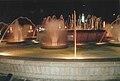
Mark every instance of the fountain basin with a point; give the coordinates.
(87, 35)
(114, 43)
(15, 42)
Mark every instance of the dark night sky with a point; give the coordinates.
(37, 9)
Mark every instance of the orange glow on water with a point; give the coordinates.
(54, 44)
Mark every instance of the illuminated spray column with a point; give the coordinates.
(83, 18)
(79, 23)
(103, 24)
(90, 22)
(83, 21)
(74, 33)
(72, 21)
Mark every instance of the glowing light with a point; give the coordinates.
(100, 43)
(30, 31)
(30, 27)
(92, 26)
(34, 41)
(114, 14)
(103, 23)
(4, 54)
(65, 26)
(8, 31)
(11, 29)
(83, 18)
(111, 26)
(83, 5)
(59, 27)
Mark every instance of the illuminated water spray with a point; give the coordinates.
(115, 30)
(2, 29)
(18, 30)
(74, 34)
(55, 34)
(83, 18)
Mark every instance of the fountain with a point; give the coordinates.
(90, 29)
(20, 30)
(30, 62)
(115, 31)
(3, 29)
(16, 33)
(55, 35)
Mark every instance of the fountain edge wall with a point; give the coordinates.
(61, 70)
